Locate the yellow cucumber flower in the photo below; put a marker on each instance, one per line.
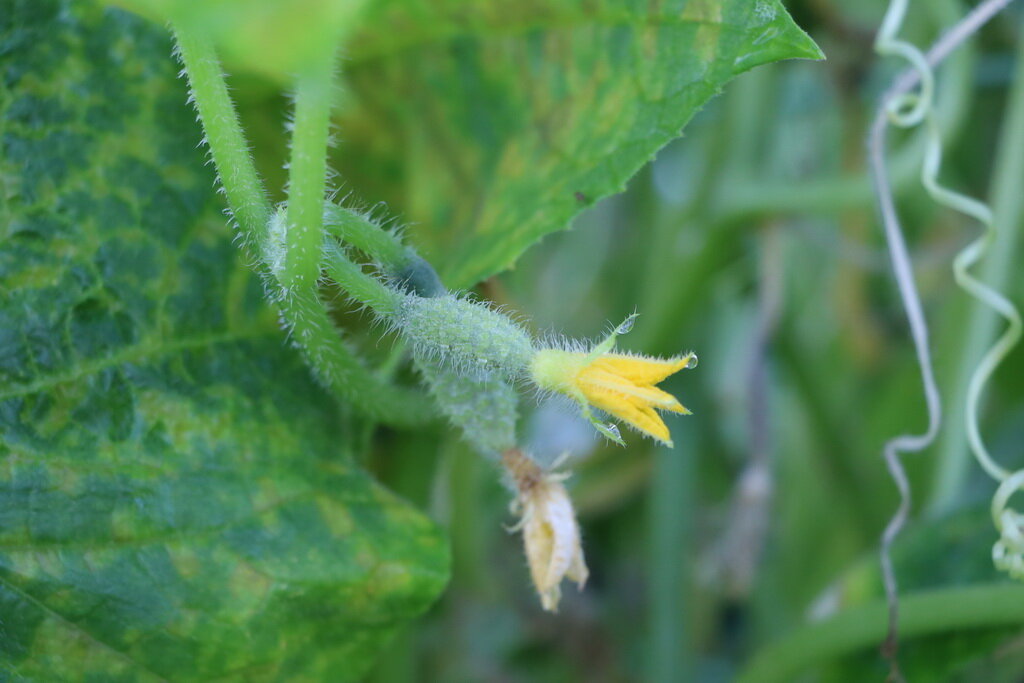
(621, 385)
(551, 535)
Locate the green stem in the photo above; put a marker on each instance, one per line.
(339, 369)
(407, 270)
(246, 196)
(921, 614)
(359, 231)
(307, 173)
(980, 328)
(468, 529)
(311, 325)
(671, 515)
(364, 288)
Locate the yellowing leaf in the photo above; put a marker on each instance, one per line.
(490, 124)
(177, 497)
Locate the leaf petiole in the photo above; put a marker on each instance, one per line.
(237, 173)
(307, 172)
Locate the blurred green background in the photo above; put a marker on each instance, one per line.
(754, 241)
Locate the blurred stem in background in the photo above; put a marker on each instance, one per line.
(735, 189)
(737, 554)
(672, 506)
(752, 192)
(467, 472)
(931, 612)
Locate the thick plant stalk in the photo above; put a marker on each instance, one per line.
(307, 173)
(307, 318)
(338, 369)
(248, 201)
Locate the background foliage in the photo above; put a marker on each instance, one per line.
(211, 477)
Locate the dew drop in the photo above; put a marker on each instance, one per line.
(626, 325)
(692, 363)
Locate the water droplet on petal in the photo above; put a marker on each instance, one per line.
(692, 363)
(626, 325)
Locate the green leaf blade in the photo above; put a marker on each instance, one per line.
(177, 496)
(490, 126)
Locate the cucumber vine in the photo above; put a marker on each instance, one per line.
(469, 354)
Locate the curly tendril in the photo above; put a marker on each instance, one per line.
(903, 107)
(1008, 552)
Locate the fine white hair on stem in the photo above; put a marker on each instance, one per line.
(894, 108)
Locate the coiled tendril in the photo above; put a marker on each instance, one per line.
(904, 108)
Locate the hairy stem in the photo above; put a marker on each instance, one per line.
(364, 288)
(310, 323)
(246, 197)
(340, 371)
(307, 172)
(359, 231)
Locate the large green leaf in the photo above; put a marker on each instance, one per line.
(490, 124)
(177, 499)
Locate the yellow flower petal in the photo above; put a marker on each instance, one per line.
(642, 369)
(667, 401)
(618, 384)
(639, 415)
(596, 377)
